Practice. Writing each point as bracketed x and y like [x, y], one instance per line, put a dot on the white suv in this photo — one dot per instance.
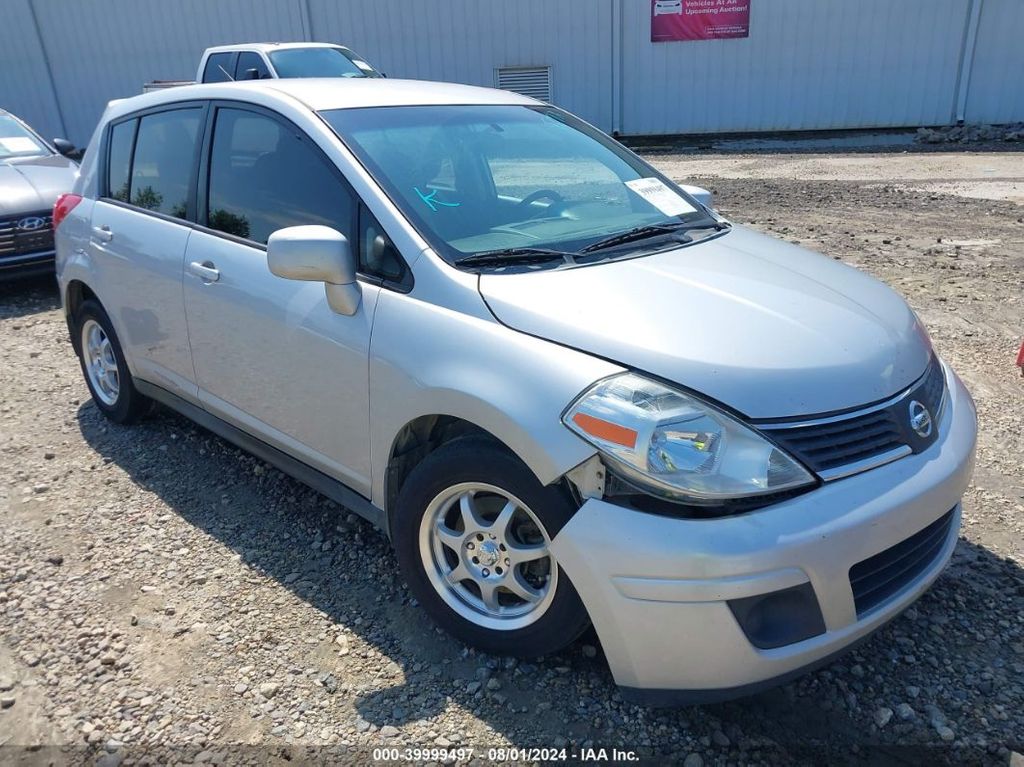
[567, 389]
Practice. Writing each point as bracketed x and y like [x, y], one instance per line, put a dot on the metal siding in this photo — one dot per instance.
[24, 82]
[107, 49]
[808, 64]
[996, 87]
[465, 41]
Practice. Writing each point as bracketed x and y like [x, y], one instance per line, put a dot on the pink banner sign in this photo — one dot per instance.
[699, 19]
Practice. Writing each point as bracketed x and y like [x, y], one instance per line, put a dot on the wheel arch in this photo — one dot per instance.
[76, 293]
[419, 438]
[424, 434]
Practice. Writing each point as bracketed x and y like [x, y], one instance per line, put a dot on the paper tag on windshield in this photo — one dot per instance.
[362, 65]
[660, 196]
[18, 144]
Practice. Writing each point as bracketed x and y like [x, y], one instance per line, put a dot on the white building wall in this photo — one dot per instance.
[465, 41]
[25, 87]
[995, 89]
[808, 64]
[107, 49]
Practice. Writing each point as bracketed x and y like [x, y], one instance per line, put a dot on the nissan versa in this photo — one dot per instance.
[569, 391]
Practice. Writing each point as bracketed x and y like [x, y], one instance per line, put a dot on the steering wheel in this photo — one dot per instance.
[558, 202]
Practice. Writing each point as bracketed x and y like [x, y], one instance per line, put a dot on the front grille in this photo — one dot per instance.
[828, 445]
[18, 241]
[882, 576]
[831, 445]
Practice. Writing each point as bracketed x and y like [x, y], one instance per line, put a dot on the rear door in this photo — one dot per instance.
[270, 355]
[139, 231]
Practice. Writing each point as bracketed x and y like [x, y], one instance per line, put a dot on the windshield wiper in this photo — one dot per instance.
[652, 230]
[507, 256]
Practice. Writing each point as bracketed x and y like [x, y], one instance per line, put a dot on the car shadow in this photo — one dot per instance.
[343, 567]
[24, 297]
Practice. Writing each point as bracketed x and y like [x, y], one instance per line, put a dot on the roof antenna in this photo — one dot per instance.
[222, 69]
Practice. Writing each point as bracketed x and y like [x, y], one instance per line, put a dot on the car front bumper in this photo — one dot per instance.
[26, 265]
[658, 589]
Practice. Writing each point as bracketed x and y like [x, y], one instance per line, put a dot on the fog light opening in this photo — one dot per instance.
[779, 618]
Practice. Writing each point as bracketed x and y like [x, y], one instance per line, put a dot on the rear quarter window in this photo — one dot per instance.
[122, 139]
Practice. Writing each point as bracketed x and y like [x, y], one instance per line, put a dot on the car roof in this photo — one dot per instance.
[269, 46]
[323, 93]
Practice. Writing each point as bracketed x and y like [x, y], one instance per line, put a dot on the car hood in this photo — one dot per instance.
[31, 185]
[767, 328]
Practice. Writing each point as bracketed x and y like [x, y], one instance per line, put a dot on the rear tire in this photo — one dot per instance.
[471, 528]
[104, 367]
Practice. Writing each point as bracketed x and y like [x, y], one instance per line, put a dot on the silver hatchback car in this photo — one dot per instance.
[569, 391]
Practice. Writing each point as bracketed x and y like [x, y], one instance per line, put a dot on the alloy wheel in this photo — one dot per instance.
[488, 556]
[100, 362]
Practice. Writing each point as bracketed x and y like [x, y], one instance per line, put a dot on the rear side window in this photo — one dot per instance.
[122, 139]
[164, 155]
[218, 68]
[251, 67]
[265, 177]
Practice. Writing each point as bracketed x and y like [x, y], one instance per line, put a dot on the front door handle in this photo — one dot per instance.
[102, 233]
[205, 271]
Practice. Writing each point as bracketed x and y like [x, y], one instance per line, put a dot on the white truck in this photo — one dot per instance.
[266, 61]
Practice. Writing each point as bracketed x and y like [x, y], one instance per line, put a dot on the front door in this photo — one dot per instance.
[270, 356]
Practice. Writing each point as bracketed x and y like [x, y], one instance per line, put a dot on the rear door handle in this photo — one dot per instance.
[205, 271]
[102, 233]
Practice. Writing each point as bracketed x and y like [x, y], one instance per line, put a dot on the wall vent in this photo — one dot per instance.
[534, 82]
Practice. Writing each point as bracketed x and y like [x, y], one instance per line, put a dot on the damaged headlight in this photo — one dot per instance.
[675, 446]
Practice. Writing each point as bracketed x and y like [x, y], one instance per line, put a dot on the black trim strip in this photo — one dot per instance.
[322, 483]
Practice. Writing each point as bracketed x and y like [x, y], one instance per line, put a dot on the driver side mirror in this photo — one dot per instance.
[317, 254]
[64, 146]
[700, 194]
[251, 74]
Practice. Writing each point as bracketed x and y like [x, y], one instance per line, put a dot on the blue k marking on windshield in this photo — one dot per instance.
[430, 200]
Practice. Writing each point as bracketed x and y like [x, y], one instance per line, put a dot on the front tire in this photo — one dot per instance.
[104, 366]
[472, 531]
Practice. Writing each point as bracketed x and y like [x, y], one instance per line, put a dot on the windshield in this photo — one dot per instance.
[320, 62]
[480, 179]
[16, 141]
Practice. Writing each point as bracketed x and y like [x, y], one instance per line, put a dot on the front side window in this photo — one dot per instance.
[484, 179]
[165, 151]
[251, 67]
[15, 141]
[319, 62]
[264, 176]
[122, 139]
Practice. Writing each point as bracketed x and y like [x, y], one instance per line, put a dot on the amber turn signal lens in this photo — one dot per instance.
[606, 430]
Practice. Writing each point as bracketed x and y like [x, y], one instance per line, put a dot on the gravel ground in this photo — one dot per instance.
[166, 597]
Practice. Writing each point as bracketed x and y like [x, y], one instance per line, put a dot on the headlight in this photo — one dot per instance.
[675, 446]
